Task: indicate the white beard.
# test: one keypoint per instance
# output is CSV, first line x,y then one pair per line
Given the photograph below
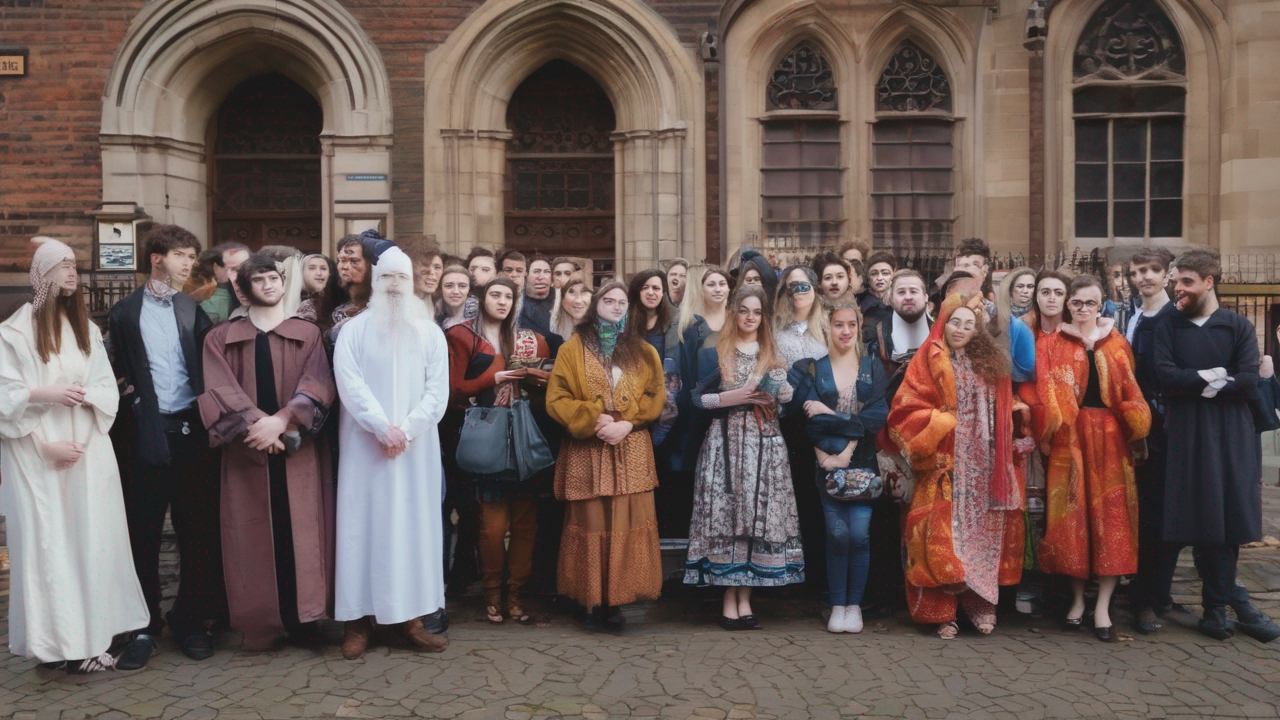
x,y
391,313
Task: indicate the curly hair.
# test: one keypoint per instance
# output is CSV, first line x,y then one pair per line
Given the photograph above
x,y
989,361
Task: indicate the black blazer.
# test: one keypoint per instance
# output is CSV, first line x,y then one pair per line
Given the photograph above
x,y
129,360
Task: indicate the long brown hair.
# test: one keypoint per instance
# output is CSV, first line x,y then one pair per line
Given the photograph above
x,y
628,353
728,342
507,329
637,314
989,362
47,323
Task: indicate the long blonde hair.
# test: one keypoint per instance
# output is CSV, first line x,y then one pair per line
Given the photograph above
x,y
693,304
819,327
768,357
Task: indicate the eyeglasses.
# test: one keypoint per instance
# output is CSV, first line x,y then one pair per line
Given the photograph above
x,y
799,288
1082,304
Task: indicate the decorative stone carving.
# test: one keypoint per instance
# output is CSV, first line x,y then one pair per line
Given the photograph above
x,y
1129,40
913,81
802,81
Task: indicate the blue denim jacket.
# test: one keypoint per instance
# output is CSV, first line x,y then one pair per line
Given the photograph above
x,y
814,380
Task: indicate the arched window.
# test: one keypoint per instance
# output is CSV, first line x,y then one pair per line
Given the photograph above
x,y
912,158
1129,104
802,198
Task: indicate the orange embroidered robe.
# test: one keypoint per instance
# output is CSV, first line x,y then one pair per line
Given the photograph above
x,y
922,423
1092,508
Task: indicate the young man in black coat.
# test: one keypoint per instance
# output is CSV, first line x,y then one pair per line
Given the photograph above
x,y
1206,362
156,334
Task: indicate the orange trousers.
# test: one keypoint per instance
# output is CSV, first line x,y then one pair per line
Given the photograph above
x,y
520,517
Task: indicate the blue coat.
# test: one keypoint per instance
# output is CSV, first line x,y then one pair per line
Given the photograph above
x,y
814,380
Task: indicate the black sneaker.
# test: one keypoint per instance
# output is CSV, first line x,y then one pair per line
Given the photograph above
x,y
1255,623
137,652
1215,624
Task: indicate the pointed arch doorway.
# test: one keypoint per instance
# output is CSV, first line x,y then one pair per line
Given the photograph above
x,y
560,167
265,170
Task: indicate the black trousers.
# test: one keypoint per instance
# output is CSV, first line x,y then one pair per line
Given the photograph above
x,y
188,487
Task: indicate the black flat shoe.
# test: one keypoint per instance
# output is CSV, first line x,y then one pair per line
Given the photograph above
x,y
749,622
437,623
137,653
1105,634
730,624
196,647
1145,622
1072,624
1215,624
614,620
1255,623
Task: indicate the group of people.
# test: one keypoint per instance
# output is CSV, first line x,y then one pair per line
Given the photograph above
x,y
298,419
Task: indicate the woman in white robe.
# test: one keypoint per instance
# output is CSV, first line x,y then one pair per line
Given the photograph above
x,y
72,582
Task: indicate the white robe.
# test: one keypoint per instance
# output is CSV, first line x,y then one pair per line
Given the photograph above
x,y
73,585
389,528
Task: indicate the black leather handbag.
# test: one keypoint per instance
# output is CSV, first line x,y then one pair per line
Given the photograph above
x,y
532,453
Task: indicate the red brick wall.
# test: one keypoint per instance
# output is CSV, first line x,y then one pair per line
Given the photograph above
x,y
50,163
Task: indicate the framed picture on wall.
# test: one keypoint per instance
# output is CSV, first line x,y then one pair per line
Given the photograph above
x,y
116,257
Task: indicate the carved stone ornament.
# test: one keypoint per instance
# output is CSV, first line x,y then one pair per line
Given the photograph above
x,y
913,81
1130,40
802,81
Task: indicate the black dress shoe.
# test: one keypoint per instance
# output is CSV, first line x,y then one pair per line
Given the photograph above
x,y
1145,622
1255,623
437,623
731,624
749,622
1215,624
1172,607
1105,634
137,653
613,619
1072,624
196,647
307,634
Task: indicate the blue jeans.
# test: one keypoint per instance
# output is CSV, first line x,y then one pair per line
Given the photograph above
x,y
848,548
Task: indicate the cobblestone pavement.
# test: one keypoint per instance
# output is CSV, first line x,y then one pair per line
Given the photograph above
x,y
676,664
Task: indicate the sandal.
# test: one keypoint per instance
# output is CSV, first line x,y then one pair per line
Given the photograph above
x,y
519,615
948,630
985,628
493,614
101,663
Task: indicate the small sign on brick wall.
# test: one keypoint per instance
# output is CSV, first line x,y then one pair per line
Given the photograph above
x,y
13,63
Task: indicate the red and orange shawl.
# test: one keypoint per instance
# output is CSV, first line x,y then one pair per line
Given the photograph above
x,y
922,423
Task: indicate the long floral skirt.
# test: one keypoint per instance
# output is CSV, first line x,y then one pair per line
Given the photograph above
x,y
609,552
745,531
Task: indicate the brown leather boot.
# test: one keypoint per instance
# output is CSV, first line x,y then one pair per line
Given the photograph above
x,y
355,639
417,634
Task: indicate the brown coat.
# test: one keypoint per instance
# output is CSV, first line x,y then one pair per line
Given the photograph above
x,y
228,408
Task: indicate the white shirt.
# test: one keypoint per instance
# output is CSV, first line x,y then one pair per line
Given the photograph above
x,y
908,336
160,336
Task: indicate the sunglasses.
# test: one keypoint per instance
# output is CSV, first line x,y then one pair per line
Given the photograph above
x,y
799,288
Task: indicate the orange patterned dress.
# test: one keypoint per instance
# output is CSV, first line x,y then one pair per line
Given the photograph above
x,y
963,538
1092,508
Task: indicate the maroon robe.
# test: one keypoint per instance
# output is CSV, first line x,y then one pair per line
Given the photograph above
x,y
229,407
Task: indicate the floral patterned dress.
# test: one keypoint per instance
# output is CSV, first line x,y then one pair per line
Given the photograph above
x,y
744,530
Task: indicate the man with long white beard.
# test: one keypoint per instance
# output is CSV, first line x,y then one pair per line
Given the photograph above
x,y
392,369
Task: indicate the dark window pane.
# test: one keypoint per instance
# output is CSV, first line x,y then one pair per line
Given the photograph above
x,y
820,155
1091,219
1129,99
781,208
1130,219
551,192
892,131
1129,181
931,155
1091,183
1129,140
782,182
780,131
820,131
831,207
1091,140
933,206
892,155
882,206
526,191
1166,179
1166,218
931,132
902,206
891,181
1166,139
932,180
579,191
782,155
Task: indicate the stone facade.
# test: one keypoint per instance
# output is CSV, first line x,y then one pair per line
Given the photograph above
x,y
116,110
